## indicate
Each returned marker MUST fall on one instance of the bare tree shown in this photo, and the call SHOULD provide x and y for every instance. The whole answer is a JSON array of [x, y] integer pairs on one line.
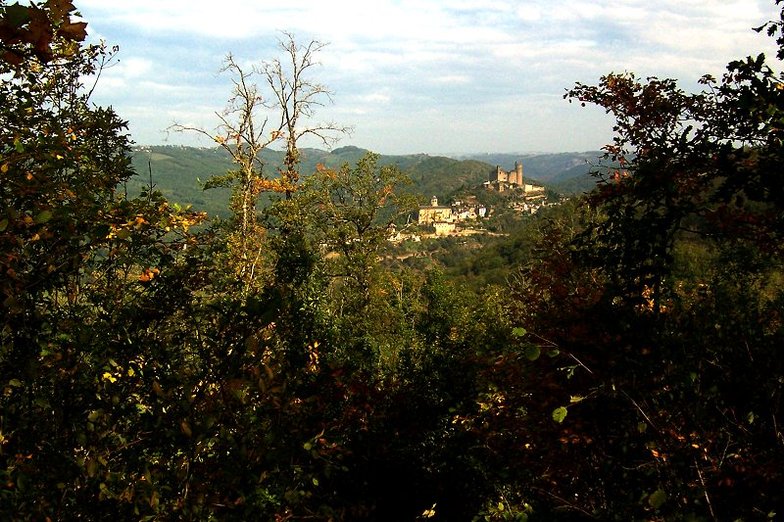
[[296, 97], [242, 134], [252, 122]]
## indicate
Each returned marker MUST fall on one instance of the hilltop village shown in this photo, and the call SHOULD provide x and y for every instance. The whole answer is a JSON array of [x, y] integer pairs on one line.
[[463, 216]]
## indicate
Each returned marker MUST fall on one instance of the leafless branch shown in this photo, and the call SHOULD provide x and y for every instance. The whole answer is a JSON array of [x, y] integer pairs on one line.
[[295, 96]]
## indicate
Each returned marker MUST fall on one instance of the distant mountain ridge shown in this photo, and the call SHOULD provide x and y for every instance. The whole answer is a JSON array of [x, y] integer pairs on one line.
[[180, 171], [555, 170]]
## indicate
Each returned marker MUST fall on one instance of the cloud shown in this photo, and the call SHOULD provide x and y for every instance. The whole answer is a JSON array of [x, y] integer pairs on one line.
[[451, 79], [439, 64]]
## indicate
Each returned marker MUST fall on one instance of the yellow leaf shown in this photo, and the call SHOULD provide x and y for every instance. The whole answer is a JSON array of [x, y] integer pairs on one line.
[[429, 513], [148, 274]]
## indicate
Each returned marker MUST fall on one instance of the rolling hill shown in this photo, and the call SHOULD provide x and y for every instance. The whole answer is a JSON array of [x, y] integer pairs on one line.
[[179, 172]]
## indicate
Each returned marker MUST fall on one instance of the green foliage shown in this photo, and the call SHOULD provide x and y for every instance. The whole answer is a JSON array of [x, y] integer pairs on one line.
[[503, 509], [559, 414], [81, 268]]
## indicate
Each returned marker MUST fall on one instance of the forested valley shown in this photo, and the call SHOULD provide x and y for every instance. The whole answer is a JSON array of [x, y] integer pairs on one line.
[[614, 357]]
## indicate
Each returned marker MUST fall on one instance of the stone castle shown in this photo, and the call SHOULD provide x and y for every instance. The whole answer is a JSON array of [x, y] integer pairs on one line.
[[514, 177], [502, 180]]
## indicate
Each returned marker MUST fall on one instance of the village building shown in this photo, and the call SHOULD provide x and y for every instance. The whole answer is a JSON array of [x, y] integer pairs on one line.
[[444, 229], [444, 219], [435, 213]]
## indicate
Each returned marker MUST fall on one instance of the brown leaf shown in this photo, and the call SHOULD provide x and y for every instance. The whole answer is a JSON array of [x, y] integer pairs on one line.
[[40, 34], [60, 9], [11, 58], [76, 31]]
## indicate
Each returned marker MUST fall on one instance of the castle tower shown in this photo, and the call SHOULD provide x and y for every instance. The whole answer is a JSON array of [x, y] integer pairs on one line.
[[500, 175], [519, 172]]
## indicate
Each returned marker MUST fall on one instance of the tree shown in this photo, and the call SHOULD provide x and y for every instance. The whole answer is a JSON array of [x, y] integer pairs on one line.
[[243, 134], [356, 209], [669, 358], [296, 97], [703, 164], [60, 158], [353, 211], [80, 265], [254, 121]]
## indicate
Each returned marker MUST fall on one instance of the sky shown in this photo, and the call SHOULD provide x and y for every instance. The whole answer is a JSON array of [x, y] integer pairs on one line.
[[418, 76]]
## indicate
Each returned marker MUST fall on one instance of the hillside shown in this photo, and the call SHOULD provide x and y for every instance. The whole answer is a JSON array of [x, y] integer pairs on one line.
[[442, 177], [179, 172]]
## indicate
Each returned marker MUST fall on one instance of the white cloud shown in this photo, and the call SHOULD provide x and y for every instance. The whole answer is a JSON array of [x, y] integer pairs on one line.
[[132, 68], [453, 79], [434, 64]]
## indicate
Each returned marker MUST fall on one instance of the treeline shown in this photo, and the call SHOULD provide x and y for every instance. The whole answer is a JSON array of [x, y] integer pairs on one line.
[[269, 367]]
